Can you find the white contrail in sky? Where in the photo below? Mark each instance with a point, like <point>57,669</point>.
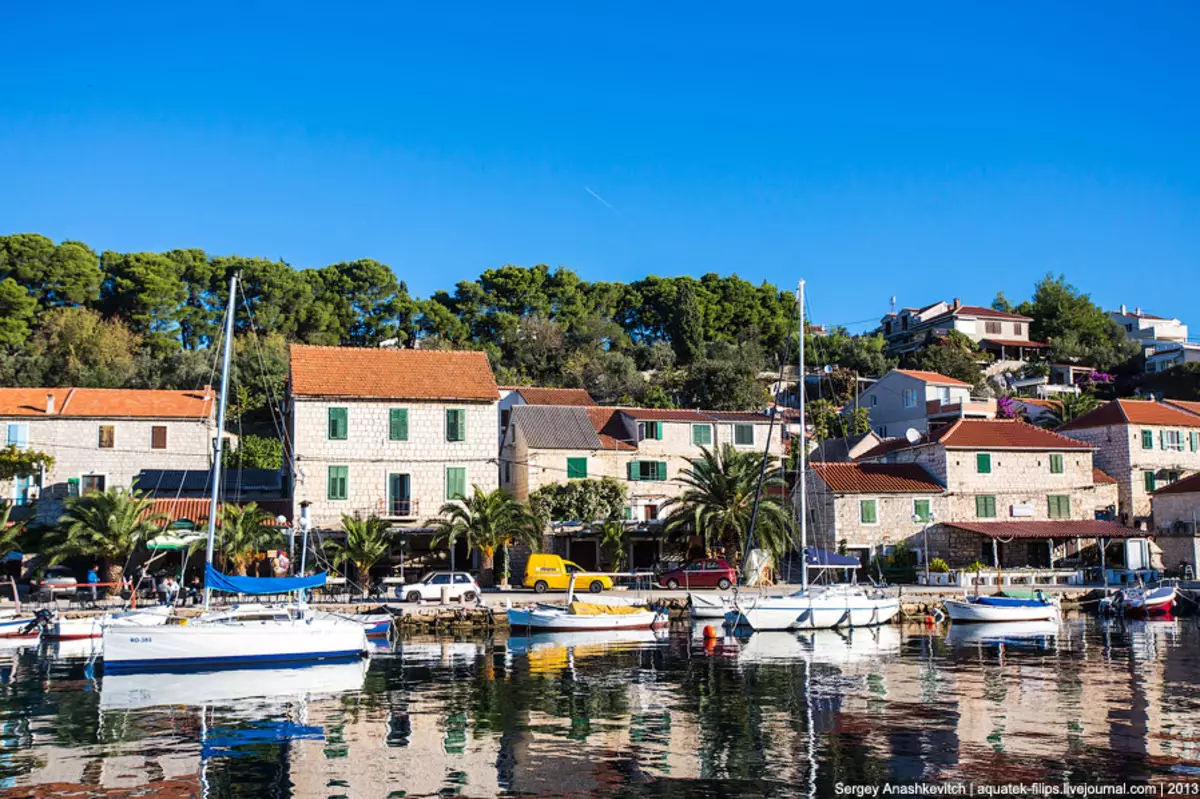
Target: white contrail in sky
<point>607,204</point>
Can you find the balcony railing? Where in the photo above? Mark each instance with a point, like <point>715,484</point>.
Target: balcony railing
<point>399,508</point>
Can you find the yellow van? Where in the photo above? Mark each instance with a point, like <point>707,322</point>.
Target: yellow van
<point>550,572</point>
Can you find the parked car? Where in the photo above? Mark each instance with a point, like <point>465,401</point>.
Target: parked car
<point>707,573</point>
<point>57,580</point>
<point>544,572</point>
<point>462,587</point>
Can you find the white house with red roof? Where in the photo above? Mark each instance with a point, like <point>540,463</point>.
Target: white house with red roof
<point>906,399</point>
<point>1002,333</point>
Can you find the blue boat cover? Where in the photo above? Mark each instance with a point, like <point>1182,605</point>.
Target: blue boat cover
<point>232,742</point>
<point>1010,602</point>
<point>823,557</point>
<point>259,585</point>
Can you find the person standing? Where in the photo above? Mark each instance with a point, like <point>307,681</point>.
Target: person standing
<point>93,577</point>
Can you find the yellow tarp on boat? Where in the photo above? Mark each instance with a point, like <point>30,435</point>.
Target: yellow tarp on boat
<point>593,609</point>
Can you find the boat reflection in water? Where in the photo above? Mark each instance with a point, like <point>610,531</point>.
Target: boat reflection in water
<point>864,644</point>
<point>1043,634</point>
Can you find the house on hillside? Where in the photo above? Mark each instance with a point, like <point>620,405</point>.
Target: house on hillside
<point>906,399</point>
<point>101,439</point>
<point>1004,334</point>
<point>1145,445</point>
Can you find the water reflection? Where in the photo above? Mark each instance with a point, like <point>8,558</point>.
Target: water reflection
<point>629,714</point>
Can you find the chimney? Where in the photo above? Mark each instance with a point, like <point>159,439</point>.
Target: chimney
<point>1137,311</point>
<point>957,304</point>
<point>1123,309</point>
<point>49,403</point>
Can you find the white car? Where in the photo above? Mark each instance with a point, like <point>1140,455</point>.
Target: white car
<point>462,587</point>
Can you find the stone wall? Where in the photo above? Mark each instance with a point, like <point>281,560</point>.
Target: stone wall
<point>836,518</point>
<point>1171,508</point>
<point>370,456</point>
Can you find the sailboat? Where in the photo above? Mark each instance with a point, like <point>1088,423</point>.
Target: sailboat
<point>811,608</point>
<point>244,635</point>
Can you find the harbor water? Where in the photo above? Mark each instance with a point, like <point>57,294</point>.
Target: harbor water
<point>627,714</point>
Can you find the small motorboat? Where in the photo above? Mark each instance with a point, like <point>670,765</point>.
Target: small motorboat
<point>20,627</point>
<point>708,607</point>
<point>598,613</point>
<point>1002,608</point>
<point>61,629</point>
<point>1142,601</point>
<point>376,625</point>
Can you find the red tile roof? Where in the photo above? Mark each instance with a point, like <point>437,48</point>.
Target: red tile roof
<point>1012,434</point>
<point>991,313</point>
<point>537,395</point>
<point>688,415</point>
<point>877,478</point>
<point>1084,528</point>
<point>1134,412</point>
<point>884,447</point>
<point>391,373</point>
<point>1188,485</point>
<point>933,378</point>
<point>195,509</point>
<point>1041,403</point>
<point>107,403</point>
<point>607,424</point>
<point>1101,477</point>
<point>1187,405</point>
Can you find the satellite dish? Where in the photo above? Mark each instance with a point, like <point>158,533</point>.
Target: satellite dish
<point>828,369</point>
<point>912,435</point>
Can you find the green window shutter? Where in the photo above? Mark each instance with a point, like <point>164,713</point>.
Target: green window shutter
<point>339,482</point>
<point>983,463</point>
<point>659,469</point>
<point>985,507</point>
<point>338,424</point>
<point>657,430</point>
<point>456,482</point>
<point>866,511</point>
<point>1056,464</point>
<point>1162,439</point>
<point>1148,477</point>
<point>1194,438</point>
<point>628,513</point>
<point>456,424</point>
<point>398,424</point>
<point>1059,506</point>
<point>743,434</point>
<point>1147,439</point>
<point>702,435</point>
<point>921,509</point>
<point>635,471</point>
<point>576,468</point>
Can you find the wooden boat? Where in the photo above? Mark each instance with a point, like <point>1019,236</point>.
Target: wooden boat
<point>596,614</point>
<point>1002,608</point>
<point>61,629</point>
<point>19,626</point>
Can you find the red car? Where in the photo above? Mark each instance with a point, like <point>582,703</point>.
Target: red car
<point>707,573</point>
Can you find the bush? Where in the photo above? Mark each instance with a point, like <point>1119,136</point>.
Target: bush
<point>977,567</point>
<point>939,566</point>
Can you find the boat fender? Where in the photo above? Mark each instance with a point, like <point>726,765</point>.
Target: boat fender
<point>710,632</point>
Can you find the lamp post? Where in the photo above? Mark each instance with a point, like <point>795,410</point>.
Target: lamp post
<point>928,520</point>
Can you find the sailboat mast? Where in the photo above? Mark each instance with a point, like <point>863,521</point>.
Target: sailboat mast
<point>223,402</point>
<point>800,480</point>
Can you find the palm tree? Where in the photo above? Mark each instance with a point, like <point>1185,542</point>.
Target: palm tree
<point>9,534</point>
<point>488,521</point>
<point>718,502</point>
<point>245,531</point>
<point>108,525</point>
<point>613,539</point>
<point>1068,407</point>
<point>367,540</point>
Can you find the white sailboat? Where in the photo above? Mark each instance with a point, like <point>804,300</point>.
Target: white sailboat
<point>811,608</point>
<point>245,635</point>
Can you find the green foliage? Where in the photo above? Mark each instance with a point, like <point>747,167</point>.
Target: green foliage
<point>614,543</point>
<point>1078,330</point>
<point>829,421</point>
<point>78,347</point>
<point>587,501</point>
<point>1067,407</point>
<point>718,500</point>
<point>10,535</point>
<point>939,566</point>
<point>367,540</point>
<point>1001,303</point>
<point>856,355</point>
<point>976,567</point>
<point>245,531</point>
<point>687,331</point>
<point>16,312</point>
<point>254,452</point>
<point>17,462</point>
<point>108,525</point>
<point>726,379</point>
<point>954,356</point>
<point>488,521</point>
<point>1180,382</point>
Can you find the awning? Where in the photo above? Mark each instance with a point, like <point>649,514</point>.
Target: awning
<point>232,584</point>
<point>170,541</point>
<point>1084,528</point>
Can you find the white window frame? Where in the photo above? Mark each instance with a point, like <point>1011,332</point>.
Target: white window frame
<point>105,475</point>
<point>1172,441</point>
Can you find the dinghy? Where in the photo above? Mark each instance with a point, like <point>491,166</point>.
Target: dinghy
<point>598,613</point>
<point>708,607</point>
<point>1002,608</point>
<point>1143,602</point>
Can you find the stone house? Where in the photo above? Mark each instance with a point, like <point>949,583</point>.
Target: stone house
<point>905,399</point>
<point>869,508</point>
<point>1005,475</point>
<point>1177,524</point>
<point>389,432</point>
<point>102,439</point>
<point>512,396</point>
<point>1145,445</point>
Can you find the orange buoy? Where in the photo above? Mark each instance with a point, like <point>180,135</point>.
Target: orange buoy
<point>709,632</point>
<point>930,620</point>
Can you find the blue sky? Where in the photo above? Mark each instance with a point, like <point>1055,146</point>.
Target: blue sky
<point>920,150</point>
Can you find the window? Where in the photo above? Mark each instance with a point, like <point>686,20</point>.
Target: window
<point>18,435</point>
<point>743,434</point>
<point>72,486</point>
<point>158,436</point>
<point>93,484</point>
<point>702,435</point>
<point>992,328</point>
<point>456,482</point>
<point>910,398</point>
<point>440,579</point>
<point>400,494</point>
<point>1172,477</point>
<point>1148,480</point>
<point>983,463</point>
<point>505,415</point>
<point>398,424</point>
<point>339,482</point>
<point>1059,506</point>
<point>1018,329</point>
<point>985,507</point>
<point>456,424</point>
<point>107,436</point>
<point>628,514</point>
<point>576,468</point>
<point>921,510</point>
<point>338,424</point>
<point>1147,439</point>
<point>944,394</point>
<point>1194,440</point>
<point>650,430</point>
<point>648,470</point>
<point>874,400</point>
<point>1056,464</point>
<point>882,431</point>
<point>507,472</point>
<point>1171,440</point>
<point>867,512</point>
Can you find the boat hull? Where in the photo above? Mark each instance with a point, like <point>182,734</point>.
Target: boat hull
<point>708,607</point>
<point>1152,602</point>
<point>543,620</point>
<point>820,612</point>
<point>961,611</point>
<point>16,627</point>
<point>94,626</point>
<point>236,644</point>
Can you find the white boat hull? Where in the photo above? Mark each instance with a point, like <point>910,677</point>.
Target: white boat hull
<point>961,611</point>
<point>814,611</point>
<point>708,607</point>
<point>230,644</point>
<point>94,626</point>
<point>17,626</point>
<point>556,620</point>
<point>1148,601</point>
<point>1000,632</point>
<point>375,624</point>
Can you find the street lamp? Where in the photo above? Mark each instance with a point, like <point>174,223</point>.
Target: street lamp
<point>929,519</point>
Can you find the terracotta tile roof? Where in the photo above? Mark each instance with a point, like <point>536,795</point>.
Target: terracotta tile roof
<point>1014,342</point>
<point>1187,405</point>
<point>107,403</point>
<point>537,395</point>
<point>391,373</point>
<point>195,509</point>
<point>688,415</point>
<point>555,427</point>
<point>1041,403</point>
<point>1011,434</point>
<point>884,447</point>
<point>1101,477</point>
<point>1084,528</point>
<point>1134,412</point>
<point>610,427</point>
<point>990,313</point>
<point>877,478</point>
<point>932,377</point>
<point>1188,485</point>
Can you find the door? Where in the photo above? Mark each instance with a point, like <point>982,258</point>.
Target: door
<point>93,484</point>
<point>399,498</point>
